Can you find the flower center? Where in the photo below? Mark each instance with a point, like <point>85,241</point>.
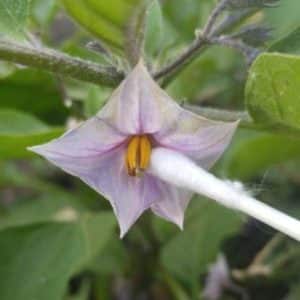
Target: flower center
<point>138,154</point>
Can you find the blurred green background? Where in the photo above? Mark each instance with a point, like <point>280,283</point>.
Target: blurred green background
<point>59,239</point>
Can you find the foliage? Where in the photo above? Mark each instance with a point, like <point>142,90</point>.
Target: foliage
<point>13,16</point>
<point>58,239</point>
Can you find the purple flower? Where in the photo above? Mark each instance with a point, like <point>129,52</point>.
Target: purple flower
<point>218,279</point>
<point>111,151</point>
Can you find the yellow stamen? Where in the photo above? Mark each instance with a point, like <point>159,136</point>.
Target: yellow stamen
<point>145,152</point>
<point>138,154</point>
<point>132,155</point>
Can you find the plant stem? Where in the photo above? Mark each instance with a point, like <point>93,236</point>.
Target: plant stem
<point>258,266</point>
<point>59,63</point>
<point>250,53</point>
<point>213,17</point>
<point>232,20</point>
<point>222,114</point>
<point>183,59</point>
<point>202,40</point>
<point>199,43</point>
<point>267,250</point>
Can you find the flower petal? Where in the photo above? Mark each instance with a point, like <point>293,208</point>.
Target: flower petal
<point>199,138</point>
<point>139,105</point>
<point>173,203</point>
<point>92,138</point>
<point>107,174</point>
<point>129,196</point>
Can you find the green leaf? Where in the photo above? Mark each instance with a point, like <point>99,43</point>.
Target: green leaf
<point>188,253</point>
<point>35,92</point>
<point>272,90</point>
<point>117,11</point>
<point>13,16</point>
<point>284,17</point>
<point>6,69</point>
<point>294,293</point>
<point>55,206</point>
<point>12,176</point>
<point>37,261</point>
<point>96,98</point>
<point>153,27</point>
<point>19,131</point>
<point>159,37</point>
<point>187,15</point>
<point>42,11</point>
<point>211,77</point>
<point>15,123</point>
<point>176,289</point>
<point>288,44</point>
<point>113,259</point>
<point>106,20</point>
<point>253,152</point>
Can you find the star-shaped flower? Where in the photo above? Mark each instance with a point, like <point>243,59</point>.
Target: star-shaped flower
<point>111,151</point>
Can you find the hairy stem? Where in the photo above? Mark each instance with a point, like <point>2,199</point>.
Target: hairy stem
<point>202,40</point>
<point>245,119</point>
<point>250,53</point>
<point>222,115</point>
<point>213,17</point>
<point>183,59</point>
<point>232,20</point>
<point>59,63</point>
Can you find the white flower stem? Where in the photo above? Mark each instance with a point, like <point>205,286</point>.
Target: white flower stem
<point>179,170</point>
